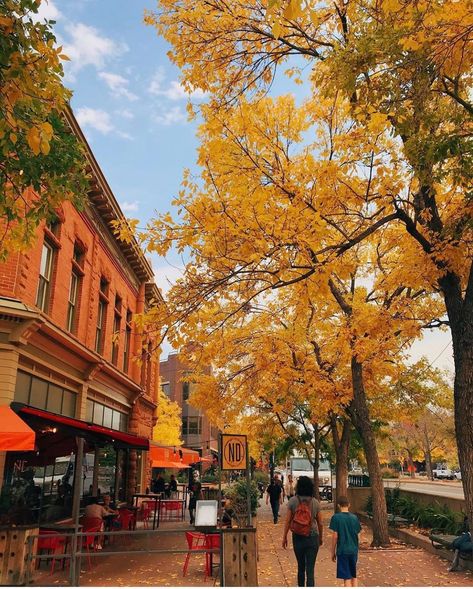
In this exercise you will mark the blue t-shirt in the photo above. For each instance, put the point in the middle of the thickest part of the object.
(348, 527)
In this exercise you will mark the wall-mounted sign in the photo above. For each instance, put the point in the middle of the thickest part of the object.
(233, 452)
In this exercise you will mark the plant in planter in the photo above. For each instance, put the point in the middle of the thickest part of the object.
(238, 493)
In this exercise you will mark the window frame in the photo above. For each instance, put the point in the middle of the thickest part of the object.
(45, 282)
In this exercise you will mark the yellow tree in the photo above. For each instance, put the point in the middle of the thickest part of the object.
(424, 404)
(41, 161)
(406, 68)
(267, 220)
(167, 430)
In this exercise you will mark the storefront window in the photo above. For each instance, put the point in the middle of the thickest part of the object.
(42, 394)
(106, 416)
(34, 493)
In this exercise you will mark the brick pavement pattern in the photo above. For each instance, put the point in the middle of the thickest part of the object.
(398, 567)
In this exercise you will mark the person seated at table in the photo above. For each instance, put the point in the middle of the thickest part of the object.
(171, 491)
(228, 513)
(96, 511)
(107, 503)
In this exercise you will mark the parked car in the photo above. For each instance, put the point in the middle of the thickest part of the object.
(443, 473)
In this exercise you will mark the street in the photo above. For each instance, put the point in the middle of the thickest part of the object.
(451, 489)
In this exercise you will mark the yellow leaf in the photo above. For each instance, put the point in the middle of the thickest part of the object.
(13, 138)
(34, 140)
(276, 30)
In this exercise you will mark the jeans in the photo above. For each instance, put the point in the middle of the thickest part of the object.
(275, 509)
(305, 549)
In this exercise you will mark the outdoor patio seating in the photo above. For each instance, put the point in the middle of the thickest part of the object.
(90, 540)
(171, 510)
(195, 541)
(212, 542)
(53, 543)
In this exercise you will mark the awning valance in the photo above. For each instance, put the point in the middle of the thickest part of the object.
(43, 421)
(15, 434)
(184, 456)
(168, 464)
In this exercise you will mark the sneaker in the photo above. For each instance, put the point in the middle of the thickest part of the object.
(98, 547)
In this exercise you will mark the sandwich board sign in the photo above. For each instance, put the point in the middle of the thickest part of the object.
(234, 452)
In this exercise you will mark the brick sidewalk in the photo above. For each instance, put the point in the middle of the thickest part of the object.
(401, 566)
(398, 567)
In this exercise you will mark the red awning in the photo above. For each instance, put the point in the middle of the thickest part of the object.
(93, 433)
(15, 435)
(168, 464)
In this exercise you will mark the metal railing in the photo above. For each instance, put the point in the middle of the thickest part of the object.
(74, 551)
(358, 480)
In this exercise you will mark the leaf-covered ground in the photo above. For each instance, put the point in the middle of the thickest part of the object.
(397, 566)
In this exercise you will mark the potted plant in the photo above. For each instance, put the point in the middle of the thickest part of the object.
(238, 494)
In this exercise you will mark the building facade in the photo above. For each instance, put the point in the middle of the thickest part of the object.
(197, 431)
(68, 342)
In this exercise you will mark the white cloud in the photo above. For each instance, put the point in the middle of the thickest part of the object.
(125, 113)
(129, 207)
(125, 135)
(118, 85)
(47, 10)
(170, 116)
(173, 90)
(95, 119)
(166, 276)
(88, 46)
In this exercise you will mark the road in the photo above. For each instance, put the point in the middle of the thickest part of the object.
(438, 488)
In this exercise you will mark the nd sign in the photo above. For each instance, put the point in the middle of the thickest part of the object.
(233, 452)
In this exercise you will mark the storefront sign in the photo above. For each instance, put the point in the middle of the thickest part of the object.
(233, 452)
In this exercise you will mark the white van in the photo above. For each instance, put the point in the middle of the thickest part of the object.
(298, 466)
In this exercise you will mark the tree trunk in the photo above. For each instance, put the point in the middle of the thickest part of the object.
(428, 454)
(315, 460)
(410, 462)
(341, 444)
(358, 411)
(460, 315)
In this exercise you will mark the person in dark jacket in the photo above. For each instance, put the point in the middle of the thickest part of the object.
(274, 495)
(461, 544)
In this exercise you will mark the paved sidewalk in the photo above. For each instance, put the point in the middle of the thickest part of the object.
(398, 566)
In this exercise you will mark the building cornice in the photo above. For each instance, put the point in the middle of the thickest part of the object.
(104, 201)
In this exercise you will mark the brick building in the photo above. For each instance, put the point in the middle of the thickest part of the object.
(68, 346)
(197, 431)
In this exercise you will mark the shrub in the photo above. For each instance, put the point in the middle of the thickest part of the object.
(389, 473)
(237, 493)
(261, 477)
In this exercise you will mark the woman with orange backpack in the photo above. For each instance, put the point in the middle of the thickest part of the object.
(305, 522)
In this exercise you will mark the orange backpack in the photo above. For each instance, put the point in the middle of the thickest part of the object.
(302, 521)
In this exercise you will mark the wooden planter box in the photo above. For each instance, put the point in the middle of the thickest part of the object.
(14, 552)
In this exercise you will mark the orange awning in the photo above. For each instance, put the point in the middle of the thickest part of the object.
(167, 454)
(168, 464)
(14, 433)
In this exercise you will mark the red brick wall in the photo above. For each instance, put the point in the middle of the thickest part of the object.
(19, 277)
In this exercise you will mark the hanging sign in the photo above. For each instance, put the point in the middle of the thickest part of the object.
(234, 452)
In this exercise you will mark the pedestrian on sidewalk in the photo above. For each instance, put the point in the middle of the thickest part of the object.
(345, 527)
(274, 494)
(289, 487)
(304, 519)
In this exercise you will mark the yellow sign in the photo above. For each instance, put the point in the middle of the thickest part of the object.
(233, 452)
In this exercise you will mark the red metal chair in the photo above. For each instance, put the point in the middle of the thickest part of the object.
(90, 540)
(124, 521)
(212, 541)
(53, 543)
(171, 510)
(145, 513)
(195, 541)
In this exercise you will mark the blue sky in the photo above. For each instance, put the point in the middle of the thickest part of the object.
(132, 109)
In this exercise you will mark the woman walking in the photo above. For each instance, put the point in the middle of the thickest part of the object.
(305, 521)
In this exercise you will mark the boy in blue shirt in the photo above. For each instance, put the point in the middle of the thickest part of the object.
(345, 527)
